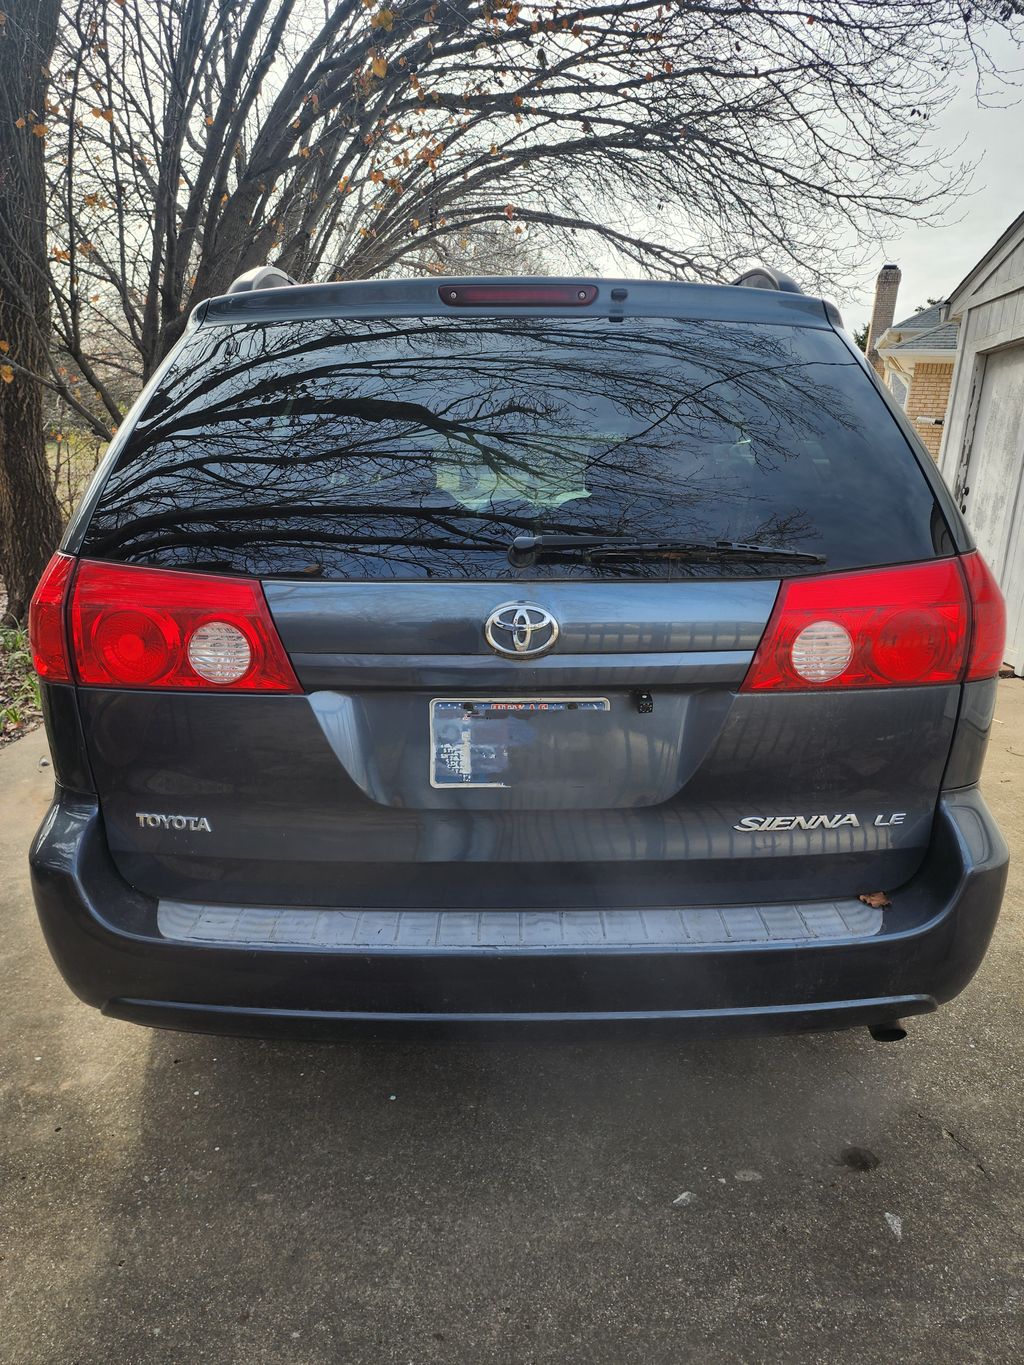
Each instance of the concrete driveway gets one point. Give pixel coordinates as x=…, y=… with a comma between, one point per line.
x=185, y=1199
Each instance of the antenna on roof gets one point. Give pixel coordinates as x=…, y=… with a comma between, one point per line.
x=260, y=277
x=760, y=278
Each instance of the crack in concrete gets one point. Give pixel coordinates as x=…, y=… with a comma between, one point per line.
x=963, y=1146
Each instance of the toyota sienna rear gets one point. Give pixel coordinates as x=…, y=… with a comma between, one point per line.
x=530, y=652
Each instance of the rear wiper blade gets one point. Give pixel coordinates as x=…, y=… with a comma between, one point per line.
x=527, y=549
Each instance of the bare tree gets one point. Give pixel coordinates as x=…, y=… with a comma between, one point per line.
x=195, y=139
x=489, y=249
x=29, y=518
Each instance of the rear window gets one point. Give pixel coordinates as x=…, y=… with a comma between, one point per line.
x=412, y=448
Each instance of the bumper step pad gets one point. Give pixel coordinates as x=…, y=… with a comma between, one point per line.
x=422, y=931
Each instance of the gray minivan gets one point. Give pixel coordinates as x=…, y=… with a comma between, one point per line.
x=574, y=652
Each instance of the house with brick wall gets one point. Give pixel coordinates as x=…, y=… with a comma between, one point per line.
x=914, y=358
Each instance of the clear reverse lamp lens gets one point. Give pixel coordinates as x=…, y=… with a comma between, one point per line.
x=219, y=653
x=822, y=651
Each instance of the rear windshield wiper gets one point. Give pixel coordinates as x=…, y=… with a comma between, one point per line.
x=527, y=549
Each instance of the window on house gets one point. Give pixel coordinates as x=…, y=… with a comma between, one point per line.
x=898, y=389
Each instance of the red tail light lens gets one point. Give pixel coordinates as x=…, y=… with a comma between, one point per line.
x=898, y=627
x=46, y=621
x=134, y=627
x=988, y=633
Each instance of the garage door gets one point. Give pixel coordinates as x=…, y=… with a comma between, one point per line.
x=994, y=501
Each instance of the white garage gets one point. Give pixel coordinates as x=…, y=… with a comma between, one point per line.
x=982, y=454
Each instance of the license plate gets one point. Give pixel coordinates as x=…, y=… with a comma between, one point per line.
x=493, y=742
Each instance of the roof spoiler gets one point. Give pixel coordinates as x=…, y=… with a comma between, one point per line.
x=761, y=278
x=272, y=277
x=260, y=277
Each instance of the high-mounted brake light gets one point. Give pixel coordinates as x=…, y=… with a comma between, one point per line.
x=46, y=621
x=517, y=295
x=898, y=627
x=136, y=627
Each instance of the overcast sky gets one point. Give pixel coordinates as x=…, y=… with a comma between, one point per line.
x=935, y=260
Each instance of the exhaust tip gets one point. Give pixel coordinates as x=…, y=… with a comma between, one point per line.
x=893, y=1032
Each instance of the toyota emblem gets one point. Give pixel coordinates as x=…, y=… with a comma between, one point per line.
x=520, y=630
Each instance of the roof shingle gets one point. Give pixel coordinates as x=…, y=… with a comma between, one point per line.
x=928, y=317
x=942, y=338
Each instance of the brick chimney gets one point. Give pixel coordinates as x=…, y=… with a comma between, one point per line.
x=887, y=286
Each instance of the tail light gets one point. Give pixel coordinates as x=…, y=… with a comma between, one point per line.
x=938, y=622
x=46, y=621
x=133, y=627
x=988, y=633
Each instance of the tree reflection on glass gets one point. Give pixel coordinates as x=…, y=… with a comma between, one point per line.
x=418, y=447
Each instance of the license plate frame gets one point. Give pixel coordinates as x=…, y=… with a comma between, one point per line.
x=453, y=762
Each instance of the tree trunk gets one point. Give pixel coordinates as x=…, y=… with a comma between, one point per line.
x=30, y=521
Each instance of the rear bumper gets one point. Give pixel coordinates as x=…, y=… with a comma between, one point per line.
x=106, y=940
